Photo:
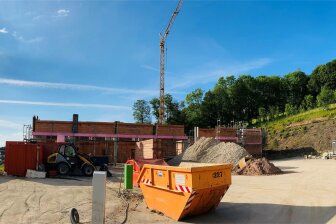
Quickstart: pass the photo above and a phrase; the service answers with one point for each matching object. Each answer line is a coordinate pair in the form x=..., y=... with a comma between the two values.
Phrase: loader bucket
x=178, y=192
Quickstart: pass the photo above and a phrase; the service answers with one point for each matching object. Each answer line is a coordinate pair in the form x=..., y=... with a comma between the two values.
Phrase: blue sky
x=95, y=58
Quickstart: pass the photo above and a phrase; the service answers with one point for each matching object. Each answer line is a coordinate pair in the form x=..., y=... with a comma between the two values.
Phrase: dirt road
x=305, y=194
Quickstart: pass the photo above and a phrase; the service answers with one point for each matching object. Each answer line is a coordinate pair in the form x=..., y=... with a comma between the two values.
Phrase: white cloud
x=52, y=85
x=33, y=40
x=10, y=136
x=38, y=17
x=56, y=104
x=151, y=68
x=9, y=124
x=211, y=75
x=62, y=12
x=24, y=40
x=3, y=30
x=148, y=67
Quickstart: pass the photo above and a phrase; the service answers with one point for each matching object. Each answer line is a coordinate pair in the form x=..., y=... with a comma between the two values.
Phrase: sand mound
x=257, y=167
x=210, y=150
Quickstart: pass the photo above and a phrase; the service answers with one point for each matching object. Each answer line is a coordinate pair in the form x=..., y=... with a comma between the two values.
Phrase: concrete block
x=98, y=197
x=35, y=174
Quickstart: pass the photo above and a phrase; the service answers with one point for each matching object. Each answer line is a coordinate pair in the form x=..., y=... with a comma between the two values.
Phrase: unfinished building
x=119, y=141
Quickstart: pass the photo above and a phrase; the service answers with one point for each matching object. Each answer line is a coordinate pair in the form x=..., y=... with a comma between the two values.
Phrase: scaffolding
x=27, y=132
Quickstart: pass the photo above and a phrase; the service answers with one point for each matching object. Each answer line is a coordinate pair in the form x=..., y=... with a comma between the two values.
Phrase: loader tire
x=88, y=170
x=63, y=169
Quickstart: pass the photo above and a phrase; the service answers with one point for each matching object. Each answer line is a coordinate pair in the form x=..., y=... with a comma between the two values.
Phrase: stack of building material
x=158, y=148
x=144, y=149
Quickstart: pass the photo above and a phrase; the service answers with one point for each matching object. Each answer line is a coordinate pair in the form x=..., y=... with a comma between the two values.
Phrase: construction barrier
x=178, y=192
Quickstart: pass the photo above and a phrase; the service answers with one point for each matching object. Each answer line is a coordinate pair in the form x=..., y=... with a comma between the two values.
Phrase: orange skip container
x=184, y=191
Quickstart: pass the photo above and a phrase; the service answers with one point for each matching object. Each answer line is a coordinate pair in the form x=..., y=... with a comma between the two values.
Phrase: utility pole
x=163, y=38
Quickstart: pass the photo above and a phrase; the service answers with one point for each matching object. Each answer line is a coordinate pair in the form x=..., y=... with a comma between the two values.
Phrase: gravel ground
x=210, y=150
x=304, y=194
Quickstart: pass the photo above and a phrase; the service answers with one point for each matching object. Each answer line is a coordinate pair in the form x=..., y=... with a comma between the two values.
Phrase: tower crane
x=163, y=38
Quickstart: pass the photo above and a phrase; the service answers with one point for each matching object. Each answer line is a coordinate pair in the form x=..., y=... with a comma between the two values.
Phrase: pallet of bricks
x=164, y=146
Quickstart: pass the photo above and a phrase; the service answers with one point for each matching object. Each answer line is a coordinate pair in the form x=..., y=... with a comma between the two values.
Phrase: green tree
x=172, y=110
x=270, y=91
x=193, y=110
x=309, y=102
x=325, y=97
x=323, y=75
x=273, y=112
x=155, y=103
x=296, y=87
x=216, y=104
x=142, y=112
x=262, y=113
x=244, y=101
x=290, y=109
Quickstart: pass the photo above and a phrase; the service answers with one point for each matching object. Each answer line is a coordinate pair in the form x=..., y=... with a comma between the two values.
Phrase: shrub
x=325, y=98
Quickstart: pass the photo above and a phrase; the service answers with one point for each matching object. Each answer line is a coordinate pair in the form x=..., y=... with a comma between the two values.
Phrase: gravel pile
x=257, y=167
x=210, y=150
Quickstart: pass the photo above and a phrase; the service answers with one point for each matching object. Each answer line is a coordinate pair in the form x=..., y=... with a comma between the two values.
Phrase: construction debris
x=257, y=167
x=210, y=150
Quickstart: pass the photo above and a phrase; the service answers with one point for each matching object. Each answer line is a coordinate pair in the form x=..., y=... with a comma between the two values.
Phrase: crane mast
x=163, y=38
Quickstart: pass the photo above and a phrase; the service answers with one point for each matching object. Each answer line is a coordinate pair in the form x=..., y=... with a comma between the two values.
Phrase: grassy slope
x=314, y=128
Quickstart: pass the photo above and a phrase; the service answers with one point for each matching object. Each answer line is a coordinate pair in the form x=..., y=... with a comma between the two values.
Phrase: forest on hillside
x=246, y=99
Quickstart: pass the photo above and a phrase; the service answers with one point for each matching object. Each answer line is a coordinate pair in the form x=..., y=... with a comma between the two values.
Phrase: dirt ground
x=305, y=194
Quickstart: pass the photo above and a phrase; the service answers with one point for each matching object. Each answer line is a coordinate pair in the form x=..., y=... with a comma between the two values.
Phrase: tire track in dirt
x=4, y=211
x=26, y=204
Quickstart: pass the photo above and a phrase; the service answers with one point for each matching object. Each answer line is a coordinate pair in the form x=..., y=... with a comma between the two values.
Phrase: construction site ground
x=304, y=194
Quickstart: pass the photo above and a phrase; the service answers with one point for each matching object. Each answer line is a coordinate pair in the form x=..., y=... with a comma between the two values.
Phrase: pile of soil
x=257, y=167
x=210, y=150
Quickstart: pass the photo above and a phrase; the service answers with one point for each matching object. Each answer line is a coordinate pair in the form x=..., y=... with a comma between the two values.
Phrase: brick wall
x=207, y=132
x=170, y=130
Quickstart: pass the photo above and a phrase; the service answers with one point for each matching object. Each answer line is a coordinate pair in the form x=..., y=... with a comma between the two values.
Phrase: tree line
x=246, y=99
